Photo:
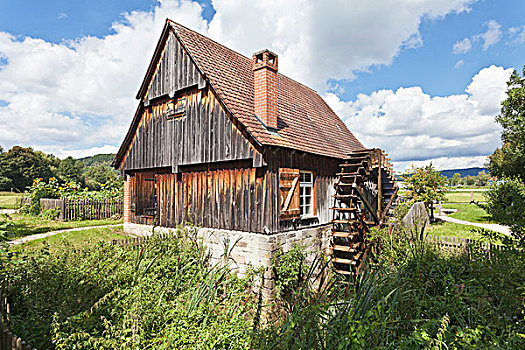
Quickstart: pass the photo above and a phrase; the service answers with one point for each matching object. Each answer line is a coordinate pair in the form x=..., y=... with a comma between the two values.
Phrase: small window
x=176, y=108
x=306, y=193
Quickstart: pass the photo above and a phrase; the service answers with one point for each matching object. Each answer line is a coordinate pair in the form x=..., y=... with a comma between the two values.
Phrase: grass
x=468, y=212
x=74, y=239
x=19, y=225
x=449, y=229
x=10, y=200
x=464, y=197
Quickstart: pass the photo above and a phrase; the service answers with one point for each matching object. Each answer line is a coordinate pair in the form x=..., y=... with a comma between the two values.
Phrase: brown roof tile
x=305, y=122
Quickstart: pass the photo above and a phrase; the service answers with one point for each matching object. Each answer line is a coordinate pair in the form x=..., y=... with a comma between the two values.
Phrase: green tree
x=455, y=180
x=70, y=170
x=510, y=159
x=482, y=179
x=99, y=174
x=425, y=184
x=19, y=166
x=506, y=205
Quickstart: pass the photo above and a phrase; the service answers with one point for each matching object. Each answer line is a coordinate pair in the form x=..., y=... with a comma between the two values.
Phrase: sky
x=422, y=79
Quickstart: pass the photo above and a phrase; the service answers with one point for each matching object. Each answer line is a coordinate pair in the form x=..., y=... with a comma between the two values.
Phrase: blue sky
x=388, y=68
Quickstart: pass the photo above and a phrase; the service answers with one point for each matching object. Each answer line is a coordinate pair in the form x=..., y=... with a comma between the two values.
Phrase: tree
x=19, y=166
x=510, y=159
x=70, y=170
x=506, y=205
x=482, y=179
x=425, y=184
x=455, y=180
x=99, y=174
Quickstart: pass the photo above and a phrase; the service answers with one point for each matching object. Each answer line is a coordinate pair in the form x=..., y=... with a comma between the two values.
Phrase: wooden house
x=230, y=144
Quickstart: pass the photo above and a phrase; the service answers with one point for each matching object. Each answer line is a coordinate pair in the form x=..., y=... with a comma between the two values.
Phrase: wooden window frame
x=302, y=195
x=176, y=108
x=290, y=190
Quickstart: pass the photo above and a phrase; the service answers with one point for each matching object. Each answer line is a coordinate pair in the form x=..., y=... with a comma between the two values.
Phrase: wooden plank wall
x=175, y=71
x=234, y=195
x=206, y=134
x=231, y=195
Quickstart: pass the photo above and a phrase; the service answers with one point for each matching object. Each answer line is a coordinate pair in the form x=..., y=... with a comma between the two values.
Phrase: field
x=18, y=225
x=464, y=196
x=10, y=200
x=74, y=239
x=468, y=212
x=449, y=229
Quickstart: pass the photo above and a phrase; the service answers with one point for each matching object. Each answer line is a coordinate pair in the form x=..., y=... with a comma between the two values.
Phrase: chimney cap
x=263, y=51
x=265, y=59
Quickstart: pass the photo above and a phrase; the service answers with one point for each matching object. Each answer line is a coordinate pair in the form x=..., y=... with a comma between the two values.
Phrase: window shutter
x=289, y=193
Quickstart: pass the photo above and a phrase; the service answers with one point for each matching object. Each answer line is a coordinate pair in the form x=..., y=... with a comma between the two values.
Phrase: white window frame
x=306, y=210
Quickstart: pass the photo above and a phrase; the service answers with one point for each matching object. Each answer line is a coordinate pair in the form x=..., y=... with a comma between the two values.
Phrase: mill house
x=228, y=143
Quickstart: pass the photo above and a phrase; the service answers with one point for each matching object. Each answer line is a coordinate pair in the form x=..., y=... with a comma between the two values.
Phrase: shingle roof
x=305, y=121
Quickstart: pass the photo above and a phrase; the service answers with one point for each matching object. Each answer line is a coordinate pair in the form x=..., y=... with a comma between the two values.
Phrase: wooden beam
x=387, y=208
x=367, y=205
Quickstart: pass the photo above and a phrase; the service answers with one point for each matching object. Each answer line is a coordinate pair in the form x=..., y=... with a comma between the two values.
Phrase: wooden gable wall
x=175, y=71
x=206, y=133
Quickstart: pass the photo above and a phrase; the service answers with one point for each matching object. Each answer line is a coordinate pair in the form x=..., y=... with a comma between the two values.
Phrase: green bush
x=165, y=295
x=290, y=270
x=506, y=205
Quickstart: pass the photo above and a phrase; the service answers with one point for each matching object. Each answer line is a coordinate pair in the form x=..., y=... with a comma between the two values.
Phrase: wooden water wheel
x=364, y=195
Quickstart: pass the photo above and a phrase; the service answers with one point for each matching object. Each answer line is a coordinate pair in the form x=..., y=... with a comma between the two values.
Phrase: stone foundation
x=252, y=249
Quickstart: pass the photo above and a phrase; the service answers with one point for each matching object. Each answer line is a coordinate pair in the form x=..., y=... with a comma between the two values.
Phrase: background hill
x=463, y=172
x=104, y=159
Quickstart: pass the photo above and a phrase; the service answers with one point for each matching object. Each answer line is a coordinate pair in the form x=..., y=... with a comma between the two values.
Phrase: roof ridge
x=208, y=38
x=237, y=53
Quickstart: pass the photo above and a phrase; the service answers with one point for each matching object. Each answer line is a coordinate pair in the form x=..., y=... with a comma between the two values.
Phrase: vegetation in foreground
x=20, y=225
x=164, y=295
x=168, y=295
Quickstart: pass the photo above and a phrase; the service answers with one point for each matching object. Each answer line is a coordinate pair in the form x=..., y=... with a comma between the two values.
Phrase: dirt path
x=494, y=227
x=8, y=211
x=52, y=233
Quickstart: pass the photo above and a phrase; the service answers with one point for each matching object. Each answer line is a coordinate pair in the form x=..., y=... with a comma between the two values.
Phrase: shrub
x=506, y=205
x=163, y=295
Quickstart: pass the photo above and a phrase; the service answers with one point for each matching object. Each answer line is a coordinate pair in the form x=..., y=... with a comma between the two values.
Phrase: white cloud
x=459, y=64
x=79, y=94
x=318, y=40
x=445, y=163
x=492, y=35
x=413, y=126
x=62, y=15
x=462, y=47
x=517, y=34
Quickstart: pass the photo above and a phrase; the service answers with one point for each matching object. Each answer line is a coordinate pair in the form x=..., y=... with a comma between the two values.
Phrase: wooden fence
x=8, y=340
x=84, y=209
x=25, y=200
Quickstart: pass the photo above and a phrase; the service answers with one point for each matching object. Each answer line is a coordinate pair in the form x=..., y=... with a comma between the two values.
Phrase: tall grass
x=413, y=297
x=167, y=294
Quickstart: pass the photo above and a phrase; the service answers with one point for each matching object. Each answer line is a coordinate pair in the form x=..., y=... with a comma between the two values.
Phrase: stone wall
x=253, y=249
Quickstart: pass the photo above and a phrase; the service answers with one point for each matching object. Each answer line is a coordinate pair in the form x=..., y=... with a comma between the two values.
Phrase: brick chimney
x=265, y=87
